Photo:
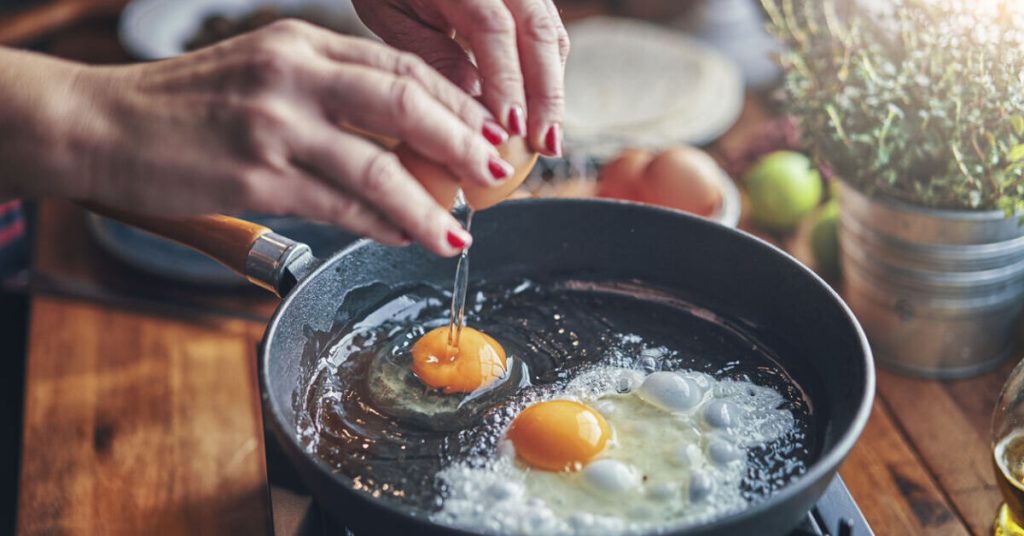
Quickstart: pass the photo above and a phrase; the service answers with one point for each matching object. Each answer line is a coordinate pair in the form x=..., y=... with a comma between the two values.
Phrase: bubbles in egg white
x=677, y=457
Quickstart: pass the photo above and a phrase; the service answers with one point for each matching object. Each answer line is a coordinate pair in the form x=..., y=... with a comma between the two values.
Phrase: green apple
x=824, y=238
x=783, y=187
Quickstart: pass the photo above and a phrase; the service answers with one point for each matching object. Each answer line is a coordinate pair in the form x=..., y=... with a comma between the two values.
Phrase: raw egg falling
x=473, y=362
x=556, y=435
x=455, y=358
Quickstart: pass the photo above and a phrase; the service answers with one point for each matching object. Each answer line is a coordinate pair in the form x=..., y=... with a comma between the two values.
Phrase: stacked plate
x=634, y=84
x=158, y=29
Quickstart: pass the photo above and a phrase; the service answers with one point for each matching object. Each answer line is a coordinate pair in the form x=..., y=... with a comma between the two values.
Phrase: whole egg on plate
x=680, y=177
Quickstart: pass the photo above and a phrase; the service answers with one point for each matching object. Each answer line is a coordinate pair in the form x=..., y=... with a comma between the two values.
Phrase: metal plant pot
x=939, y=292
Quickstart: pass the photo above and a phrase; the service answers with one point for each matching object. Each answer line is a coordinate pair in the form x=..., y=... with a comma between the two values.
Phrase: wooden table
x=142, y=422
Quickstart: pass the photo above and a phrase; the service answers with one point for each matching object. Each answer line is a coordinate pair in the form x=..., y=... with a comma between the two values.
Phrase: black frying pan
x=816, y=337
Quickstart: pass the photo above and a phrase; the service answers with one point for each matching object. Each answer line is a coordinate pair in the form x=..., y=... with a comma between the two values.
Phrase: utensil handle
x=223, y=238
x=34, y=22
x=254, y=251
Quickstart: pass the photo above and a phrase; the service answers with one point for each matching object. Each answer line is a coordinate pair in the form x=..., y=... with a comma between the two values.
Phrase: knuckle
x=492, y=19
x=346, y=210
x=409, y=64
x=564, y=44
x=550, y=101
x=508, y=79
x=469, y=110
x=468, y=150
x=267, y=63
x=407, y=98
x=381, y=171
x=264, y=115
x=262, y=127
x=289, y=27
x=539, y=26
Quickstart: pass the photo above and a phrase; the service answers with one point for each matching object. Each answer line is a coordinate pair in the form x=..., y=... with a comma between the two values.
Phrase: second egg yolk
x=558, y=435
x=477, y=362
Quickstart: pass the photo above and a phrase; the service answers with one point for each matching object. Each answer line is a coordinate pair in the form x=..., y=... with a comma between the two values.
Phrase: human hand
x=520, y=47
x=254, y=123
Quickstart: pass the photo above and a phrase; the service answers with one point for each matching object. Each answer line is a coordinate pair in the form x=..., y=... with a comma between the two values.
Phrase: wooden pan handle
x=41, y=20
x=222, y=238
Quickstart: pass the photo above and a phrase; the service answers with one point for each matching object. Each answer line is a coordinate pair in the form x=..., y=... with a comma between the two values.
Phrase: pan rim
x=828, y=462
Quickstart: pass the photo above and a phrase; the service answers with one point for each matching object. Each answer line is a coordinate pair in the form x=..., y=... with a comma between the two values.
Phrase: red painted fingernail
x=494, y=133
x=553, y=140
x=499, y=168
x=516, y=121
x=458, y=240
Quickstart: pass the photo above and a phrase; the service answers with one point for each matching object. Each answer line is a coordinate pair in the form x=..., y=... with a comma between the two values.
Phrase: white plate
x=635, y=84
x=157, y=29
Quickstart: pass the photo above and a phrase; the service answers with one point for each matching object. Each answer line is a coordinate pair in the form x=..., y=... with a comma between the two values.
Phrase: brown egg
x=620, y=178
x=443, y=186
x=683, y=178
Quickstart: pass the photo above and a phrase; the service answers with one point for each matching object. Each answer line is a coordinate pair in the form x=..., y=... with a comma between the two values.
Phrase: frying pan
x=789, y=309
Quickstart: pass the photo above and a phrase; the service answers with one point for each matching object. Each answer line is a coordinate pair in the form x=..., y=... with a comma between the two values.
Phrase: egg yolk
x=559, y=435
x=477, y=362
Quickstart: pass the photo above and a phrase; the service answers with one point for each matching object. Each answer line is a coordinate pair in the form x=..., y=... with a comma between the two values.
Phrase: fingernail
x=494, y=133
x=406, y=237
x=499, y=168
x=516, y=121
x=553, y=140
x=459, y=239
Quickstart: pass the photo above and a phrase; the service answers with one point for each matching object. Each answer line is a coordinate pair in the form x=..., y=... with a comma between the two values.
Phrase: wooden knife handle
x=222, y=238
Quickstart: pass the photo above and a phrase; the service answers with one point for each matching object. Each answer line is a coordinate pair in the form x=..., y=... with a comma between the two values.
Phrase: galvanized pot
x=939, y=292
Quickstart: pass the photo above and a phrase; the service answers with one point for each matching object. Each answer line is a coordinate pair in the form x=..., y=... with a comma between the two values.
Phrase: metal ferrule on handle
x=274, y=261
x=262, y=256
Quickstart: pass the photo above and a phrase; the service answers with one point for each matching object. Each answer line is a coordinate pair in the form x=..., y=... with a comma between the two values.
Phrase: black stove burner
x=295, y=513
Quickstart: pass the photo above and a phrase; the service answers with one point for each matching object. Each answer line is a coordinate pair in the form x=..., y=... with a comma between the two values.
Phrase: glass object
x=1008, y=454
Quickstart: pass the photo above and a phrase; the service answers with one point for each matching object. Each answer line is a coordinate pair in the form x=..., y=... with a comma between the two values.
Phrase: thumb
x=438, y=48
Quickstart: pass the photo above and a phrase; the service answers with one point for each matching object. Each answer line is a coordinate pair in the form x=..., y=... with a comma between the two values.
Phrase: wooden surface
x=142, y=410
x=141, y=425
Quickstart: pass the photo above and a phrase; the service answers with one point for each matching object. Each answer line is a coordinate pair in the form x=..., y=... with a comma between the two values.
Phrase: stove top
x=296, y=514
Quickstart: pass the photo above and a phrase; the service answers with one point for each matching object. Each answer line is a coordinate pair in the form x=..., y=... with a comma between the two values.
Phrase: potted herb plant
x=917, y=108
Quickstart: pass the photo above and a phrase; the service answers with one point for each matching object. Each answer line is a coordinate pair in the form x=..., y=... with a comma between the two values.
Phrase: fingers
x=404, y=64
x=433, y=43
x=356, y=165
x=563, y=35
x=490, y=28
x=420, y=106
x=400, y=107
x=317, y=200
x=292, y=191
x=542, y=41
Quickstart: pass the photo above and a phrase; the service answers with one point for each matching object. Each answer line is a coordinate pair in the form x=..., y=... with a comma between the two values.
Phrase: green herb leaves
x=922, y=100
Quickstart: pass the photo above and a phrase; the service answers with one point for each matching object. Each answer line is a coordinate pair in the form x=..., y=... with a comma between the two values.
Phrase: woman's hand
x=520, y=48
x=254, y=124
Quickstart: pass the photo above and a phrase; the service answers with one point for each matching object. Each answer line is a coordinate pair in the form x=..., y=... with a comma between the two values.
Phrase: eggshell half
x=443, y=186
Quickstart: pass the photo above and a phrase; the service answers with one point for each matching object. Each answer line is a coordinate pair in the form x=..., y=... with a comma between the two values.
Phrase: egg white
x=677, y=456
